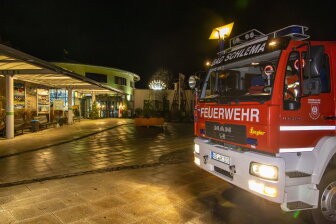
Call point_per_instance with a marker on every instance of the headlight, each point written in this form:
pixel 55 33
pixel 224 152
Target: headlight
pixel 262 189
pixel 264 171
pixel 197 149
pixel 197 161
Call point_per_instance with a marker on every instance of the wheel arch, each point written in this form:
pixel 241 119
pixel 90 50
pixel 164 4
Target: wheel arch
pixel 325 153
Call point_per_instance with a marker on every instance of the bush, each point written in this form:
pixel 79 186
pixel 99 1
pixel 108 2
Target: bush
pixel 138 112
pixel 124 114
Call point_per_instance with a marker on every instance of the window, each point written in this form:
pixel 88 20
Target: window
pixel 242 81
pixel 292 77
pixel 97 77
pixel 325 75
pixel 120 81
pixel 59 94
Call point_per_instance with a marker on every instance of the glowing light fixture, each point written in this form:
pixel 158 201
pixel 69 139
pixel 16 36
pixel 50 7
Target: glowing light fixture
pixel 157 85
pixel 221 32
pixel 197 149
pixel 273 43
pixel 197 161
pixel 264 171
pixel 262 189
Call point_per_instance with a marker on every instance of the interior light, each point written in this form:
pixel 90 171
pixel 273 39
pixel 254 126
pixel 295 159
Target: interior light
pixel 273 43
pixel 255 63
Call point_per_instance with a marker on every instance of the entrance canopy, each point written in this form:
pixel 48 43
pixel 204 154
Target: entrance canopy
pixel 27 68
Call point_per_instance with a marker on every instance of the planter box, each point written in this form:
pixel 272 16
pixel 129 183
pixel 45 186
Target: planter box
pixel 152 121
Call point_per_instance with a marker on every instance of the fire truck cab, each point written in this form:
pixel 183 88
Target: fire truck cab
pixel 265 119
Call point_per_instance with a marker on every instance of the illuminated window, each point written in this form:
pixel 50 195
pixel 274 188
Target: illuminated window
pixel 120 81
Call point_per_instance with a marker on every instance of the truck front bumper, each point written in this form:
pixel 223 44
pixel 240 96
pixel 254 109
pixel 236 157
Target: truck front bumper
pixel 237 171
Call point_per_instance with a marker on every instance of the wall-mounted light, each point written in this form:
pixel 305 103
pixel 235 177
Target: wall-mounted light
pixel 157 85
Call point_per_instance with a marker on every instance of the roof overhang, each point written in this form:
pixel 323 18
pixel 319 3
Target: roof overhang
pixel 27 68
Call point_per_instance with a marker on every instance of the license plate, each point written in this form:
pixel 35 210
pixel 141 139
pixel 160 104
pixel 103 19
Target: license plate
pixel 220 158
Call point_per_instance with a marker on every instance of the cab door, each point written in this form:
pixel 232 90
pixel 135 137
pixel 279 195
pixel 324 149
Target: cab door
pixel 305 119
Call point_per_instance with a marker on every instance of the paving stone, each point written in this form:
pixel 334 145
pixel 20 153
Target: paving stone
pixel 113 216
pixel 150 220
pixel 75 213
pixel 6 217
pixel 43 219
pixel 26 212
pixel 51 205
pixel 176 215
pixel 139 209
pixel 109 202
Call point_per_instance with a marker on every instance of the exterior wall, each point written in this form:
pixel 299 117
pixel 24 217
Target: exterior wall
pixel 110 72
pixel 145 94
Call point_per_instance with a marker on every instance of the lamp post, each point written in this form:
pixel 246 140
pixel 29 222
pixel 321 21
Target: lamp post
pixel 221 33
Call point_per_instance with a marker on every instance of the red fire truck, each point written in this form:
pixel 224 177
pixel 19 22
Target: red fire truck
pixel 265 119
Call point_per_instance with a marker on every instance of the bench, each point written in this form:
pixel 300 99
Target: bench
pixel 76 118
pixel 43 121
pixel 2 127
pixel 20 125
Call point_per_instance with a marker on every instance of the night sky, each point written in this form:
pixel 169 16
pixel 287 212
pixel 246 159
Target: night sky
pixel 144 36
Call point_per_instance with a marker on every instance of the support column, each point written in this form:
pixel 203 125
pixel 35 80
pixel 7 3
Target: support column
pixel 70 112
pixel 93 97
pixel 9 106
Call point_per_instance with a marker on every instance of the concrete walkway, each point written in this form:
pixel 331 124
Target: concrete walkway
pixel 53 136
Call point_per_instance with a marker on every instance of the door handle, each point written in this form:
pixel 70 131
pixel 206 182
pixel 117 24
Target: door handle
pixel 330 118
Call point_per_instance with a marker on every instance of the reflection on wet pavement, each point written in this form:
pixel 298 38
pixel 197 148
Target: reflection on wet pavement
pixel 174 191
pixel 123 146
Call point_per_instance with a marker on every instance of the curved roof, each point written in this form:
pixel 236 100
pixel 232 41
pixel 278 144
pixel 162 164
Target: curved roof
pixel 31 69
pixel 136 76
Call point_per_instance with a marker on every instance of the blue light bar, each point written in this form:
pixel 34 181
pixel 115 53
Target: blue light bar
pixel 296 32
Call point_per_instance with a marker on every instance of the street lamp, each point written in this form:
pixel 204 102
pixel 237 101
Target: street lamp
pixel 220 33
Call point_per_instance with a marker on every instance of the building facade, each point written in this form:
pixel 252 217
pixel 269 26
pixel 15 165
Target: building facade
pixel 109 105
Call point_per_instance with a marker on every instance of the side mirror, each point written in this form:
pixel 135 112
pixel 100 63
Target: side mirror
pixel 194 82
pixel 315 60
pixel 312 83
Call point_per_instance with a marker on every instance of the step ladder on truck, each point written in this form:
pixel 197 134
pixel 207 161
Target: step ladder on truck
pixel 265 119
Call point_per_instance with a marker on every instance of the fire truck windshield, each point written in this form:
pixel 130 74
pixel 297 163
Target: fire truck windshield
pixel 245 80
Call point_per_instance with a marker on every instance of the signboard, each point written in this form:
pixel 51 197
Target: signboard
pixel 227 132
pixel 244 37
pixel 58 104
pixel 19 95
pixel 43 101
pixel 252 50
pixel 31 97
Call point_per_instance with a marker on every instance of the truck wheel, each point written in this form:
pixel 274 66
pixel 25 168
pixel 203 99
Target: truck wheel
pixel 326 211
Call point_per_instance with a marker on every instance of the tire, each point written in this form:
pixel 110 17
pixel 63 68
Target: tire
pixel 326 211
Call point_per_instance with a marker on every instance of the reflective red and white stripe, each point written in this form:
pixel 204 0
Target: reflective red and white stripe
pixel 308 128
pixel 307 149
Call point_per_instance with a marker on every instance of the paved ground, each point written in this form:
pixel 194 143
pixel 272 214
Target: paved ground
pixel 125 175
pixel 52 136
